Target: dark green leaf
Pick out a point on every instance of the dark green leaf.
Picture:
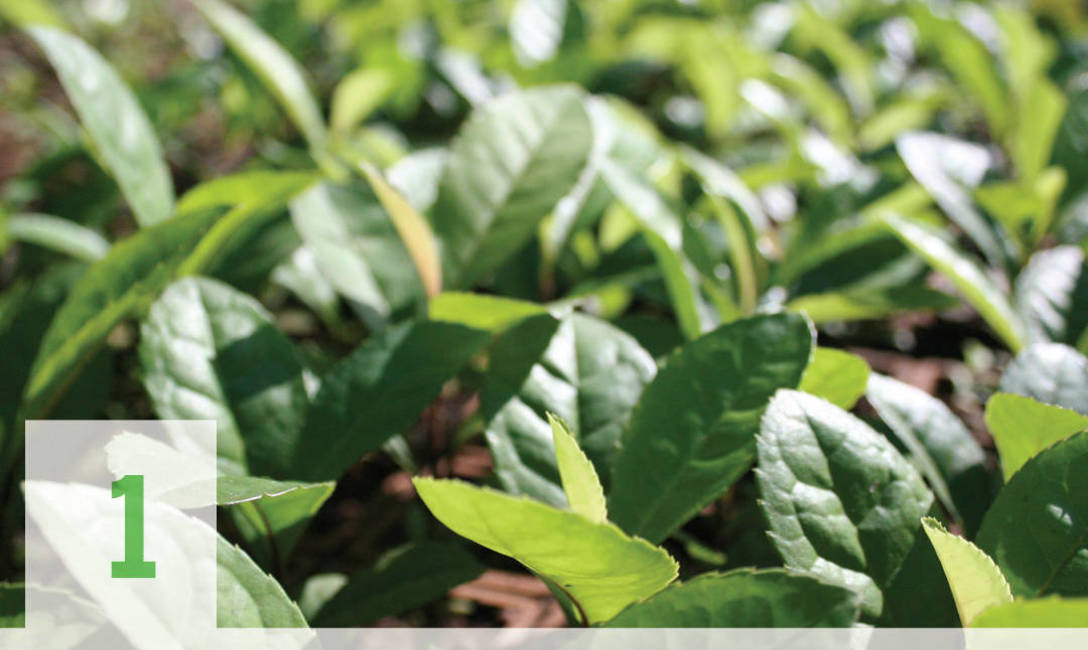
(379, 391)
(744, 598)
(939, 445)
(582, 369)
(211, 352)
(692, 434)
(1037, 529)
(248, 597)
(841, 502)
(510, 164)
(402, 579)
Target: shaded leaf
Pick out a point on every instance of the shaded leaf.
(581, 369)
(402, 579)
(744, 598)
(1052, 295)
(246, 596)
(939, 445)
(1037, 528)
(377, 392)
(692, 434)
(211, 352)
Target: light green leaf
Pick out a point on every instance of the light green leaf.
(358, 249)
(281, 74)
(977, 584)
(580, 368)
(744, 598)
(871, 304)
(968, 278)
(61, 235)
(939, 445)
(242, 187)
(270, 515)
(416, 177)
(415, 233)
(580, 483)
(377, 392)
(508, 167)
(484, 312)
(842, 504)
(1050, 373)
(119, 129)
(31, 12)
(1040, 612)
(211, 352)
(595, 564)
(837, 376)
(1052, 295)
(692, 434)
(246, 596)
(403, 579)
(1022, 427)
(358, 95)
(1037, 528)
(126, 280)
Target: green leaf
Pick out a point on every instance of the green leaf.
(871, 304)
(1022, 428)
(692, 434)
(415, 233)
(580, 483)
(948, 168)
(211, 352)
(744, 598)
(1040, 612)
(377, 392)
(968, 278)
(126, 280)
(357, 249)
(510, 164)
(977, 584)
(246, 596)
(242, 187)
(661, 229)
(272, 64)
(580, 368)
(484, 312)
(270, 515)
(1037, 528)
(837, 376)
(403, 579)
(939, 445)
(1052, 295)
(358, 95)
(595, 564)
(842, 504)
(12, 605)
(120, 131)
(55, 233)
(1050, 373)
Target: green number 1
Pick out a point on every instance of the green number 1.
(131, 487)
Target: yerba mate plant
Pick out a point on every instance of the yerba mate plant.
(713, 314)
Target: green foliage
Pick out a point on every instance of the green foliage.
(579, 253)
